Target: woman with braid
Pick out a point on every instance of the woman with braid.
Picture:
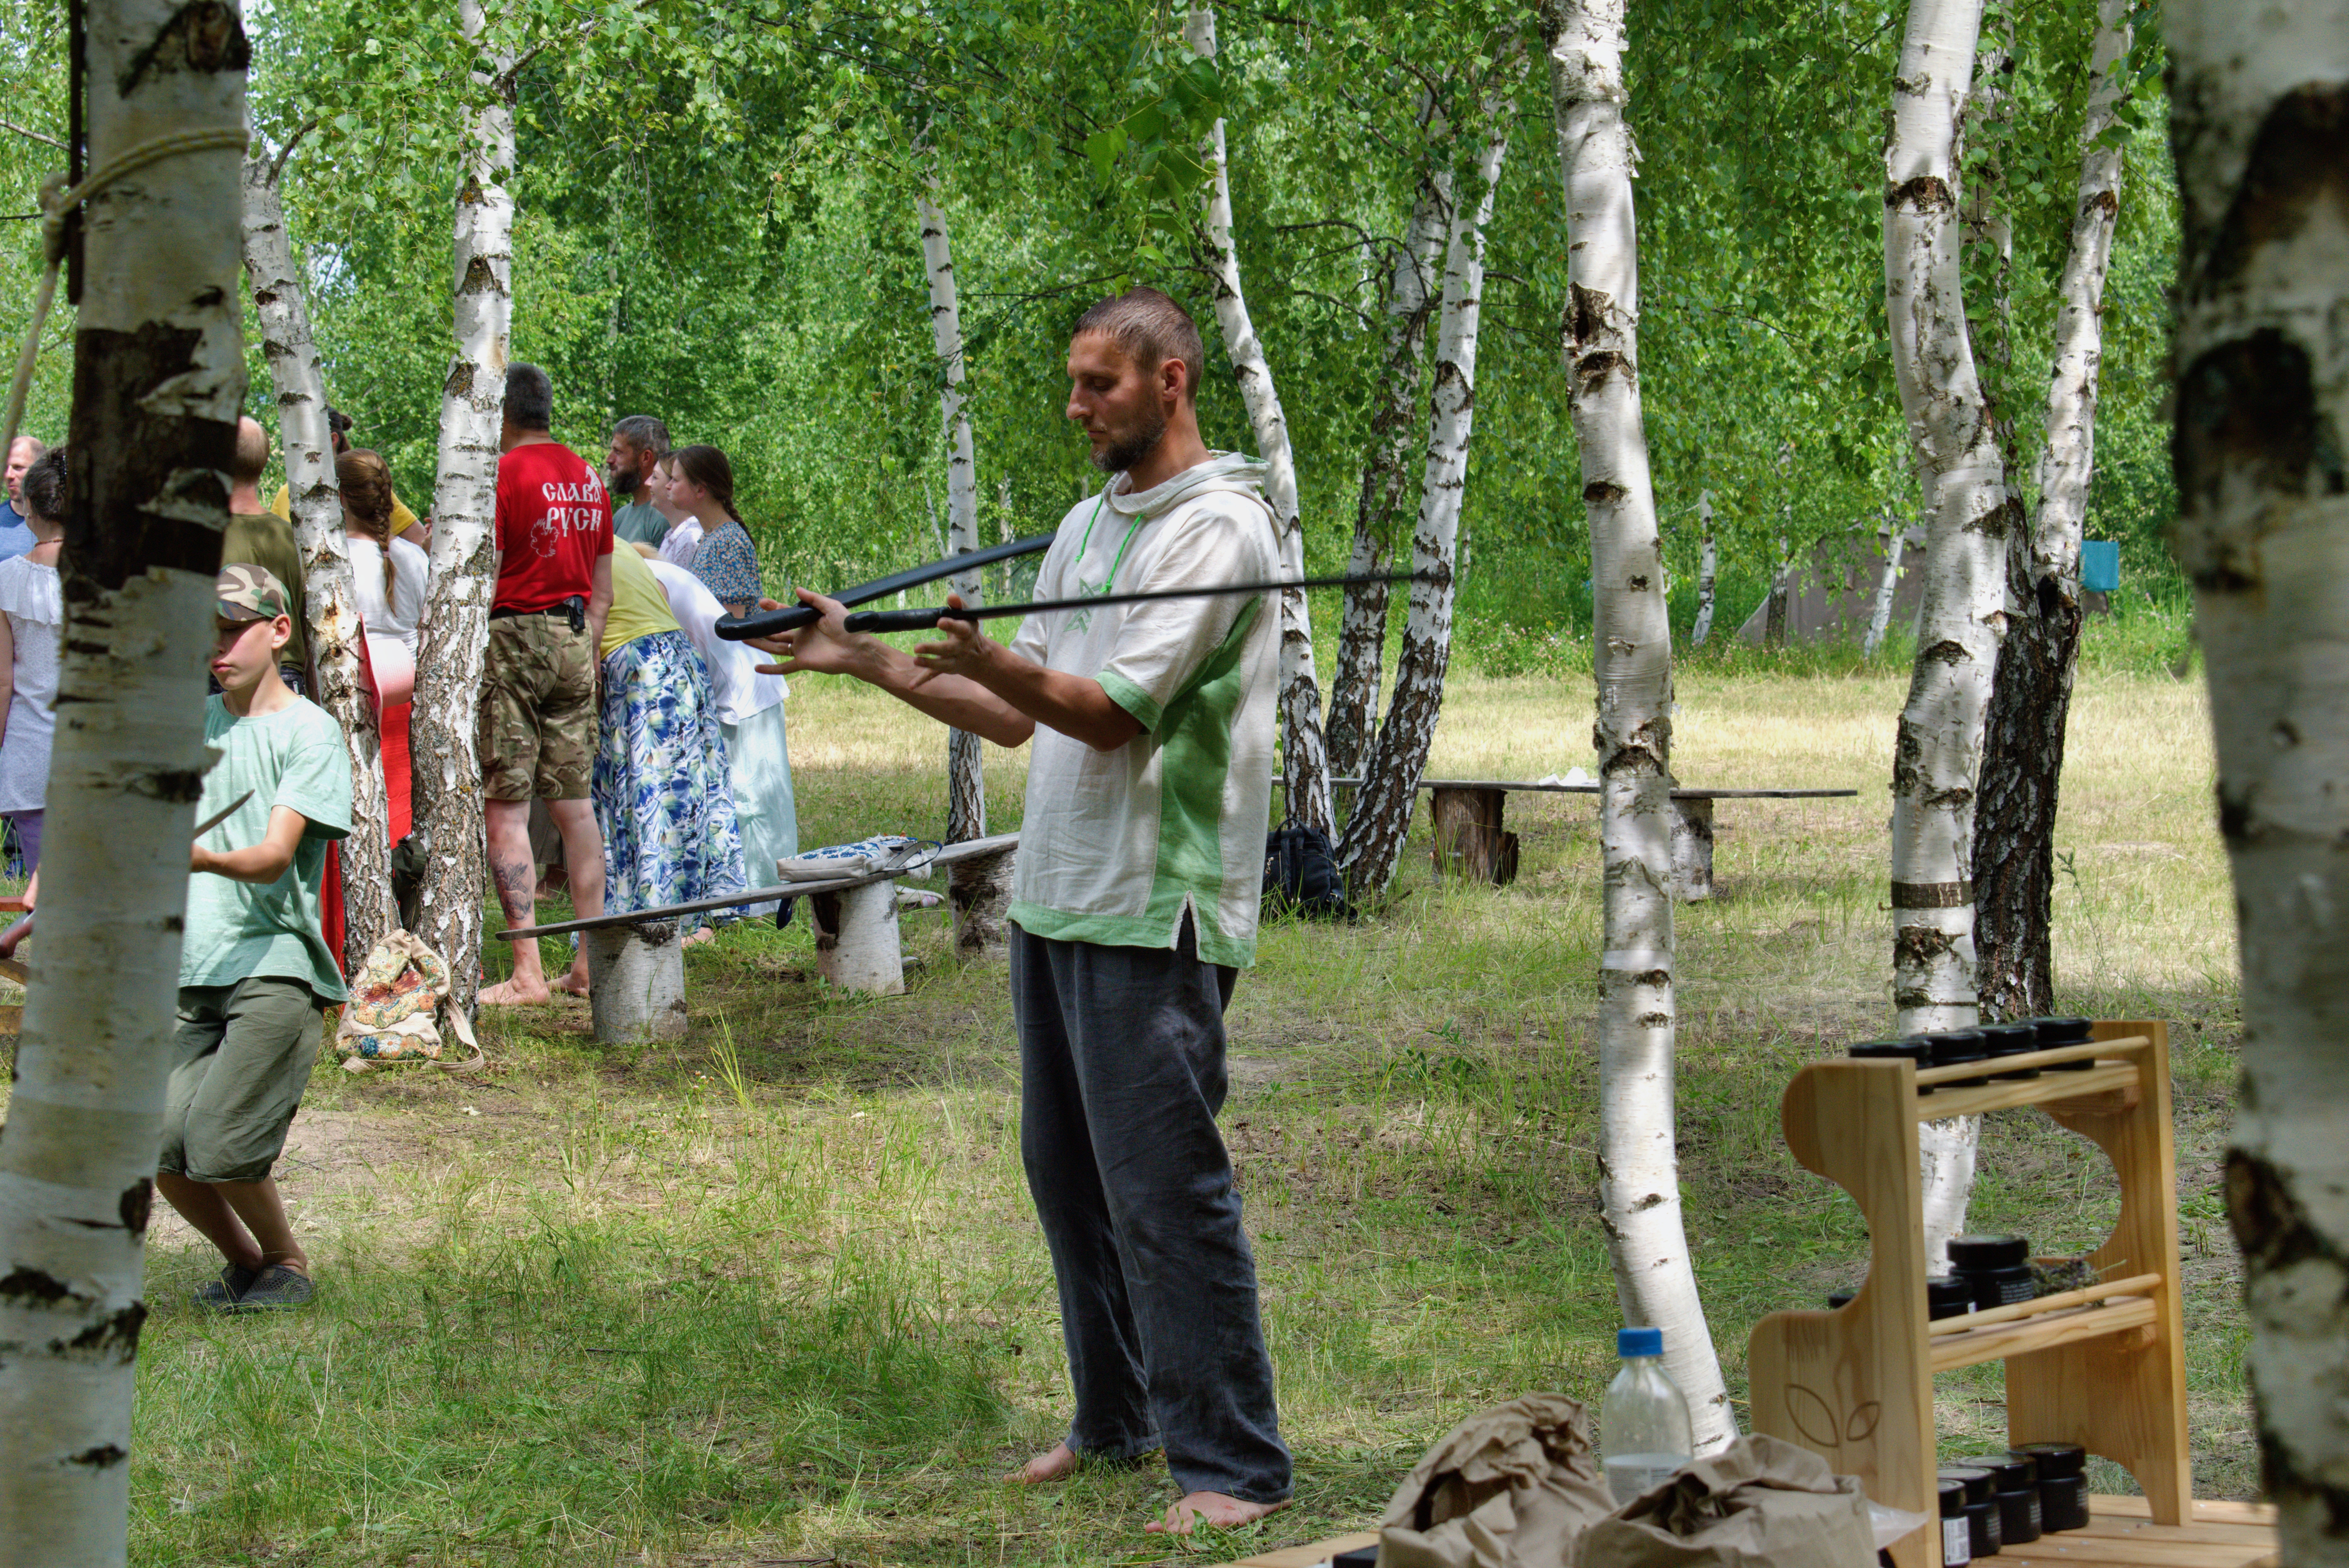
(726, 563)
(390, 578)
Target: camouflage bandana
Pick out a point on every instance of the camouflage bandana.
(248, 593)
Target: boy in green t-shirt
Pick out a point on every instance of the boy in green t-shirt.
(255, 970)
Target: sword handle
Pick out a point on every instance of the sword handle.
(765, 623)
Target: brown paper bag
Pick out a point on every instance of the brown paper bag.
(1515, 1487)
(1758, 1503)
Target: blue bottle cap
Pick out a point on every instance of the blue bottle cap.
(1639, 1342)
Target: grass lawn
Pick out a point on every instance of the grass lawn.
(774, 1294)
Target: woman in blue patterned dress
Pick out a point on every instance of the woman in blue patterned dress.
(661, 784)
(726, 563)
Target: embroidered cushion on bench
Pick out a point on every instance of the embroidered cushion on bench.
(882, 853)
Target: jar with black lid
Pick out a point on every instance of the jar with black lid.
(2054, 1032)
(1947, 1295)
(1995, 1267)
(1954, 1046)
(1957, 1540)
(1981, 1507)
(2010, 1040)
(1915, 1048)
(2063, 1483)
(2015, 1478)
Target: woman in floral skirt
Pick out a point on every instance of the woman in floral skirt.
(661, 790)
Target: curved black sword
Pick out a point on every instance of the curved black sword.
(922, 620)
(767, 623)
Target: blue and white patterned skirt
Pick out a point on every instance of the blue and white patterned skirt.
(661, 790)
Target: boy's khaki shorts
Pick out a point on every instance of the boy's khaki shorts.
(536, 726)
(239, 1065)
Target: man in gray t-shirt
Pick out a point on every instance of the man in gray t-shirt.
(638, 442)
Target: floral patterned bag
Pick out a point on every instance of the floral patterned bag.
(394, 999)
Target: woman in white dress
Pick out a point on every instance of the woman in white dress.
(391, 578)
(682, 543)
(751, 715)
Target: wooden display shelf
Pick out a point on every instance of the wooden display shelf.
(2119, 1534)
(1856, 1386)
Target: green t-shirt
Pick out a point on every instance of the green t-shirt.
(292, 757)
(639, 522)
(261, 539)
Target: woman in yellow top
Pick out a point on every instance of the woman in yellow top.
(660, 787)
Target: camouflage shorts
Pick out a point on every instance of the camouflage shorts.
(536, 728)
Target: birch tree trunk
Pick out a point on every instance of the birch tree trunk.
(1707, 570)
(1880, 616)
(2259, 126)
(1631, 637)
(1969, 515)
(159, 373)
(966, 771)
(1411, 295)
(446, 771)
(2031, 701)
(327, 592)
(1305, 759)
(1371, 849)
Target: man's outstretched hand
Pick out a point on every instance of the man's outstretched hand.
(825, 648)
(962, 649)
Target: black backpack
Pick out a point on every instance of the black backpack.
(1300, 870)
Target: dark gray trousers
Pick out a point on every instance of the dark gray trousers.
(1122, 1074)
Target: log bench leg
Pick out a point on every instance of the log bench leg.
(1691, 851)
(1469, 839)
(856, 938)
(636, 982)
(979, 889)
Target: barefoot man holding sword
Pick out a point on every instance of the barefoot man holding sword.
(1133, 907)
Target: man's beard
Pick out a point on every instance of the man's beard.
(622, 481)
(1126, 451)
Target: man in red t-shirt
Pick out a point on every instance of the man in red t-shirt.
(537, 719)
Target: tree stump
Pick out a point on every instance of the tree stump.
(1469, 839)
(636, 982)
(1692, 849)
(856, 938)
(979, 888)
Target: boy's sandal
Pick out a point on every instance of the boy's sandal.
(276, 1289)
(221, 1294)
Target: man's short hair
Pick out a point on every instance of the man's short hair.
(645, 433)
(530, 398)
(251, 452)
(40, 447)
(1151, 329)
(45, 495)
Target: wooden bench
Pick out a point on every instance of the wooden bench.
(635, 965)
(1470, 840)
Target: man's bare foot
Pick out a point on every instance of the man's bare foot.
(573, 981)
(517, 991)
(1211, 1508)
(1043, 1467)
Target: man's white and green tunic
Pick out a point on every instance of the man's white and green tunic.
(1118, 846)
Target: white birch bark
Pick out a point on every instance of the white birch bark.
(2067, 462)
(1639, 1191)
(159, 377)
(446, 773)
(1887, 585)
(328, 592)
(1371, 849)
(1707, 570)
(1410, 295)
(1305, 759)
(966, 774)
(1939, 738)
(2258, 108)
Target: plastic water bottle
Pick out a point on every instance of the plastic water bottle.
(1643, 1428)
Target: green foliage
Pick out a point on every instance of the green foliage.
(716, 225)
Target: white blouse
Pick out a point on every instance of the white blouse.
(397, 614)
